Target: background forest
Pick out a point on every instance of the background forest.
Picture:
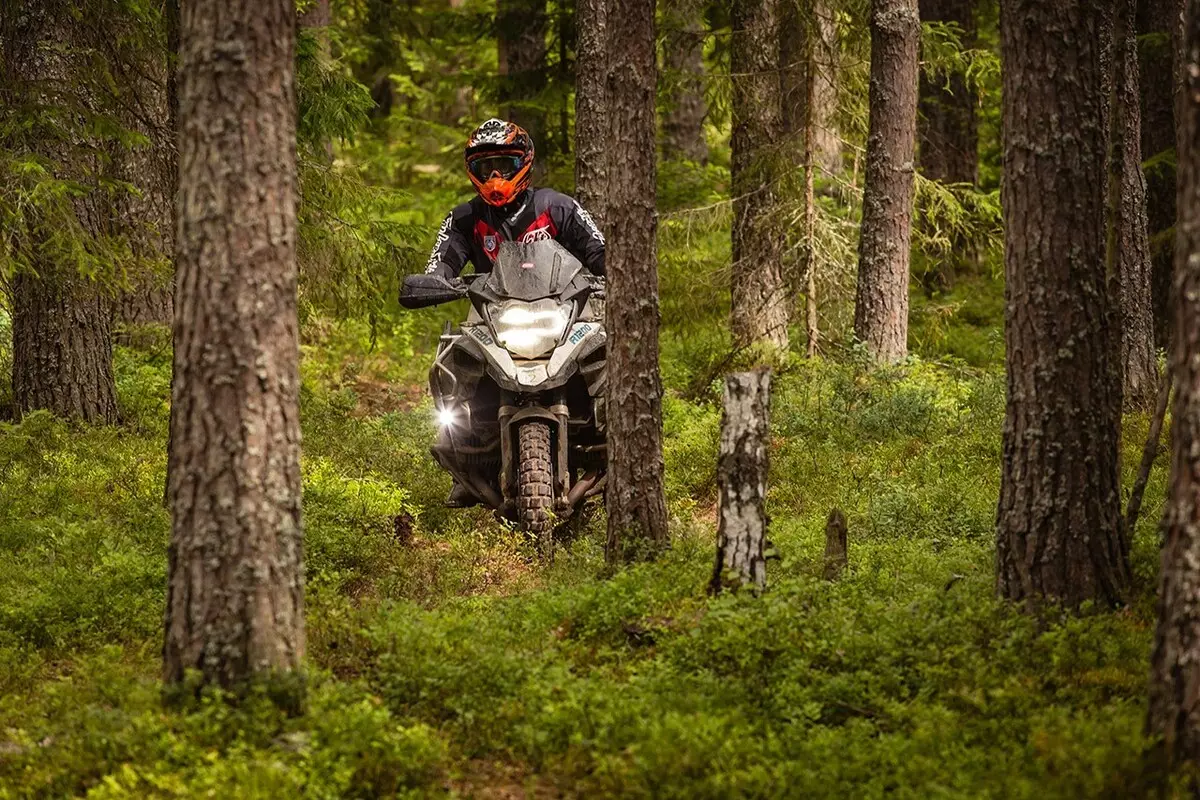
(445, 659)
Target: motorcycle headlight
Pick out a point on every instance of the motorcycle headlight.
(530, 330)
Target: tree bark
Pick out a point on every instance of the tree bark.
(760, 296)
(1059, 532)
(150, 215)
(836, 551)
(637, 513)
(62, 321)
(521, 27)
(1127, 207)
(591, 109)
(683, 51)
(1175, 668)
(881, 300)
(742, 483)
(1156, 23)
(235, 600)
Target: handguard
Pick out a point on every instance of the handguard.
(422, 291)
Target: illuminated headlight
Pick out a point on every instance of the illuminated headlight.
(446, 417)
(530, 330)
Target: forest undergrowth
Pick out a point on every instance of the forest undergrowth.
(444, 661)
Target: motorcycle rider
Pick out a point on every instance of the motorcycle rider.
(499, 159)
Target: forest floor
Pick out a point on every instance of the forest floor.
(445, 662)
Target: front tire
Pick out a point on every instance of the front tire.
(535, 485)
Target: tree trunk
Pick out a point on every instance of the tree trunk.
(62, 322)
(810, 60)
(1175, 667)
(1059, 533)
(742, 483)
(150, 215)
(947, 134)
(1157, 21)
(637, 513)
(235, 600)
(521, 27)
(683, 51)
(881, 300)
(1127, 204)
(837, 553)
(760, 297)
(591, 109)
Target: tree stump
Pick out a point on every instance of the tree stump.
(742, 482)
(835, 545)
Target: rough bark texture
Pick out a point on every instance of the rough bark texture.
(1127, 203)
(683, 56)
(836, 550)
(1175, 668)
(235, 602)
(1059, 531)
(62, 322)
(637, 512)
(1157, 21)
(742, 482)
(760, 295)
(521, 27)
(881, 299)
(591, 108)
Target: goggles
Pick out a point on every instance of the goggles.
(482, 167)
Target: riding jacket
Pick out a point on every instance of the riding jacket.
(474, 230)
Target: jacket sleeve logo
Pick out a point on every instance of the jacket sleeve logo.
(443, 236)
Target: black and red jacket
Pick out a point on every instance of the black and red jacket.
(474, 230)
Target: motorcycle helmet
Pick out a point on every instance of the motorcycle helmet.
(499, 158)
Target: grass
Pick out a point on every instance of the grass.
(444, 662)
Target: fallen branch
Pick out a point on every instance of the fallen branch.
(1149, 453)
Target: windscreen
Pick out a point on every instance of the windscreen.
(534, 270)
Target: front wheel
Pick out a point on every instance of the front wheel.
(535, 485)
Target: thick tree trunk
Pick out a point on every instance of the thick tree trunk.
(683, 51)
(637, 512)
(1127, 204)
(62, 322)
(742, 483)
(1175, 670)
(521, 27)
(1157, 21)
(760, 295)
(235, 601)
(591, 108)
(1059, 531)
(881, 300)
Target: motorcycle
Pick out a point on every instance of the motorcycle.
(519, 388)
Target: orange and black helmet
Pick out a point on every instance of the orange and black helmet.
(499, 159)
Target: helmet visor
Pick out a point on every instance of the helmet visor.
(483, 167)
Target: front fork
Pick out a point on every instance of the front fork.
(515, 410)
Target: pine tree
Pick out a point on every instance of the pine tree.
(636, 502)
(591, 109)
(760, 297)
(1059, 531)
(521, 27)
(881, 300)
(235, 601)
(1130, 250)
(1175, 667)
(683, 57)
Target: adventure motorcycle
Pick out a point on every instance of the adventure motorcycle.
(519, 389)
